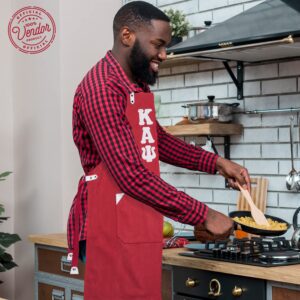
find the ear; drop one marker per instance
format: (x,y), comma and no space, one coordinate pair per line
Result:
(127,36)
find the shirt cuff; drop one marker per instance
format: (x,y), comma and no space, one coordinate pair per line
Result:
(197,214)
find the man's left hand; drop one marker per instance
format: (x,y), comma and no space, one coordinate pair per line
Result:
(234,173)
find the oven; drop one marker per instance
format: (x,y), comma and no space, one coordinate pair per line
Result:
(192,284)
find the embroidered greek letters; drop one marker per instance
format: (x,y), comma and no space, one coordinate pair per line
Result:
(144,116)
(148,151)
(147,136)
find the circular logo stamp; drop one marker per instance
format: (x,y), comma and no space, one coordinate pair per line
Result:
(31,30)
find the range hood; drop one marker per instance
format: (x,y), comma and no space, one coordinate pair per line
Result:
(267,31)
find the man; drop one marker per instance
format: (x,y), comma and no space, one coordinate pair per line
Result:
(121,199)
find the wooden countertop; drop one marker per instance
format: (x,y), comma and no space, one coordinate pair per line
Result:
(285,274)
(54,239)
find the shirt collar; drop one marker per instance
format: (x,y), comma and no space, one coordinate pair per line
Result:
(132,87)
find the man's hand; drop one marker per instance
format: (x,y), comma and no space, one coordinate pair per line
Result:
(234,173)
(217,226)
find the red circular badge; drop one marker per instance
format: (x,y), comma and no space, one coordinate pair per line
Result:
(31,30)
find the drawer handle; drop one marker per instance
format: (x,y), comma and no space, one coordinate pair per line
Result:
(65,264)
(77,297)
(191,283)
(58,295)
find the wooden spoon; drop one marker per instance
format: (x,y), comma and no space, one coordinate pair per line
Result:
(256,213)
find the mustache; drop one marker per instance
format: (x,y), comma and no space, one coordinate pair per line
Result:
(157,59)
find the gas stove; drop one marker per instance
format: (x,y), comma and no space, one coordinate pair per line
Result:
(262,252)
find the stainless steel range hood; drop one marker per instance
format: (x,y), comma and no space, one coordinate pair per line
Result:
(268,31)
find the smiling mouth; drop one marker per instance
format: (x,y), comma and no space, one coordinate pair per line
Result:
(154,66)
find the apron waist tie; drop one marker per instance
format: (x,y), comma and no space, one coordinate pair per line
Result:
(73,254)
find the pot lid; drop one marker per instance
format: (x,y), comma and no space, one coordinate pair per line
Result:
(211,102)
(207,103)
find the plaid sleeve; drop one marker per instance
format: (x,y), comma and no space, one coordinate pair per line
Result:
(176,152)
(104,116)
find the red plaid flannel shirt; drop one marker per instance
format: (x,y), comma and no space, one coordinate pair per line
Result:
(101,132)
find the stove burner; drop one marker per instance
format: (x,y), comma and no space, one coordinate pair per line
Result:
(279,255)
(257,251)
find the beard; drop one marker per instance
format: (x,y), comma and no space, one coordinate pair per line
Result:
(140,65)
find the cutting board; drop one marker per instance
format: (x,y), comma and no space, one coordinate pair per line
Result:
(259,190)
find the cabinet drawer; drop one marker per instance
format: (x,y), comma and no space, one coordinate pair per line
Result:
(75,295)
(50,292)
(55,262)
(279,293)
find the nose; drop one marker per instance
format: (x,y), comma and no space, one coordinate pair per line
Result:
(162,54)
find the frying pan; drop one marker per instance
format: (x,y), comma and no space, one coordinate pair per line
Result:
(258,231)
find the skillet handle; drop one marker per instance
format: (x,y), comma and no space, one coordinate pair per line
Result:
(236,104)
(237,226)
(295,218)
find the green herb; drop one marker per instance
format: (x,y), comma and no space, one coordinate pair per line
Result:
(180,26)
(6,239)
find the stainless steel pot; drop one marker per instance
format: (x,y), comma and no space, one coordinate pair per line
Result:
(210,111)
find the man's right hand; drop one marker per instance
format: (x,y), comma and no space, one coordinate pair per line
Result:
(217,226)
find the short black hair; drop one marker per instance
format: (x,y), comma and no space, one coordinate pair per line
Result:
(135,14)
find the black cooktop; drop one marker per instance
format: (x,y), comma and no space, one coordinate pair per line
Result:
(262,252)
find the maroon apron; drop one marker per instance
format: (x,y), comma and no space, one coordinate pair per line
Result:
(124,236)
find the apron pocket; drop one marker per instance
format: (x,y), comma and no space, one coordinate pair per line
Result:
(137,222)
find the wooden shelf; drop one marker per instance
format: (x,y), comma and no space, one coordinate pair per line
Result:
(211,129)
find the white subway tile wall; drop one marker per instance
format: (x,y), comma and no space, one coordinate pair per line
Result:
(186,94)
(212,4)
(198,19)
(222,14)
(187,7)
(264,146)
(251,4)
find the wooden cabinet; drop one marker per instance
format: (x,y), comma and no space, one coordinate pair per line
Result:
(281,291)
(50,292)
(75,295)
(53,261)
(52,275)
(54,282)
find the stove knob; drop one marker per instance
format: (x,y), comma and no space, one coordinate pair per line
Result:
(237,291)
(214,288)
(191,283)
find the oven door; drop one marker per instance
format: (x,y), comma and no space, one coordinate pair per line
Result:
(192,284)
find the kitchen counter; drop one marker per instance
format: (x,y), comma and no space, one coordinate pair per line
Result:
(284,274)
(54,239)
